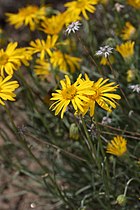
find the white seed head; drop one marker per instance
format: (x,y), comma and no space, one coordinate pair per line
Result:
(135,88)
(106,120)
(119,7)
(74,26)
(104,51)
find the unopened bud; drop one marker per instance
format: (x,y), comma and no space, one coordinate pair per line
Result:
(73,132)
(121,200)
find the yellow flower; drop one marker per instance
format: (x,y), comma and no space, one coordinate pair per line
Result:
(128,31)
(134,3)
(126,50)
(80,6)
(6,89)
(27,56)
(131,73)
(43,47)
(102,95)
(42,69)
(30,15)
(104,61)
(70,16)
(53,25)
(117,146)
(71,94)
(64,61)
(10,59)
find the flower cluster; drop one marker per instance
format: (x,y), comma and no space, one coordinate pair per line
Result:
(83,95)
(11,59)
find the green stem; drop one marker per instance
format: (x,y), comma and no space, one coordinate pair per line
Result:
(106,175)
(113,72)
(23,142)
(91,58)
(91,146)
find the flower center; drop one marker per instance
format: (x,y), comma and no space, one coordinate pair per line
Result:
(95,96)
(80,5)
(69,93)
(3,59)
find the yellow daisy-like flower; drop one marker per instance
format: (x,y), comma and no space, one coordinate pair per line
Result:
(126,50)
(117,146)
(102,95)
(6,89)
(42,69)
(29,15)
(71,94)
(64,61)
(128,31)
(10,59)
(53,25)
(43,47)
(80,6)
(134,3)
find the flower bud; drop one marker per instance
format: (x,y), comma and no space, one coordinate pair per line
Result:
(121,200)
(73,132)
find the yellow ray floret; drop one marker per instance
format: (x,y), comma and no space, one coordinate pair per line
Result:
(81,6)
(117,146)
(42,69)
(64,61)
(53,25)
(128,31)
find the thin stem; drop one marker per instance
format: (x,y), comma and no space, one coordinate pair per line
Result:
(87,51)
(23,142)
(127,184)
(113,72)
(91,146)
(106,179)
(57,148)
